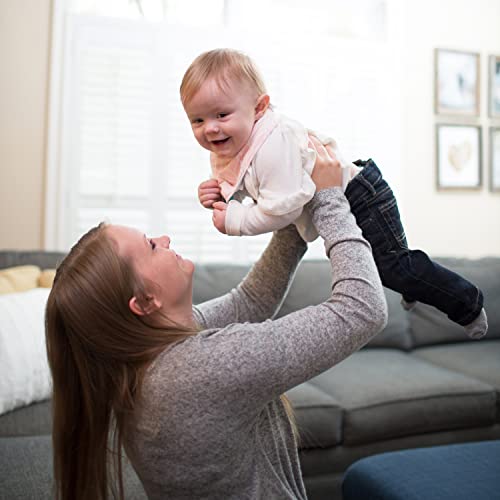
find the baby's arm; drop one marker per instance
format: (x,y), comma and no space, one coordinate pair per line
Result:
(209,194)
(249,220)
(210,197)
(219,216)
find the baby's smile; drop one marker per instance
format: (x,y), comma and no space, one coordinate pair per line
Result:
(219,142)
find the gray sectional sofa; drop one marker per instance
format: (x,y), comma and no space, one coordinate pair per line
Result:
(420,382)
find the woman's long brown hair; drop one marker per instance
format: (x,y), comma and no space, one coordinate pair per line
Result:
(98,351)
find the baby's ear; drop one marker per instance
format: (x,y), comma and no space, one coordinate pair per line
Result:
(261,106)
(143,307)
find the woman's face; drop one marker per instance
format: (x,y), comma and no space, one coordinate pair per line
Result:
(156,262)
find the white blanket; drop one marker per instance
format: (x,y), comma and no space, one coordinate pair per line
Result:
(24,371)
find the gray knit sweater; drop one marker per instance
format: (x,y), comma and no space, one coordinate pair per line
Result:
(212,425)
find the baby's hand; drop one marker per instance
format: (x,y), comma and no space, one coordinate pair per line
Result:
(219,216)
(209,193)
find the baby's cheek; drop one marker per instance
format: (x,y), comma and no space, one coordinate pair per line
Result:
(203,143)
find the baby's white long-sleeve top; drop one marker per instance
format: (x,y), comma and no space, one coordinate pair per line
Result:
(278,180)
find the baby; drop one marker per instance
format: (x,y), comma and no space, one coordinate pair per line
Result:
(257,153)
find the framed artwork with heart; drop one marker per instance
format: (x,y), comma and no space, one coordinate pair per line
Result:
(456,82)
(495,159)
(494,97)
(459,156)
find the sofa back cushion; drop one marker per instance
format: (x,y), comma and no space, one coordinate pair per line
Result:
(214,280)
(312,285)
(397,333)
(430,326)
(422,326)
(40,258)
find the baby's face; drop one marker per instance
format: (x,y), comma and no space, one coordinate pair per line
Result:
(222,119)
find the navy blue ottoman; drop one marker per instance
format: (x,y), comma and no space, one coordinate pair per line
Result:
(455,472)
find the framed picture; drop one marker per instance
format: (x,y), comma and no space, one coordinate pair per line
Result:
(494,97)
(458,156)
(456,82)
(495,158)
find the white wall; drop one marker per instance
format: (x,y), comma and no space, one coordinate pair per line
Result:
(442,222)
(24,65)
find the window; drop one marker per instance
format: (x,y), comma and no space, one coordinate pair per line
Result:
(125,151)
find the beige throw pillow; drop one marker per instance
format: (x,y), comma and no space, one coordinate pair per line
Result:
(46,278)
(19,279)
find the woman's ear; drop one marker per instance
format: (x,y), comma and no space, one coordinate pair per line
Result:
(261,106)
(143,307)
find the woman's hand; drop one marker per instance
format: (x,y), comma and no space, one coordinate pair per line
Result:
(327,170)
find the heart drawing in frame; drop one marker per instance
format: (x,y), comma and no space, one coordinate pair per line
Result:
(459,155)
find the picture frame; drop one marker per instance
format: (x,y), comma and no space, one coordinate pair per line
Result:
(494,87)
(457,82)
(459,156)
(495,159)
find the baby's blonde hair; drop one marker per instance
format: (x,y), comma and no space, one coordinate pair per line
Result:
(223,65)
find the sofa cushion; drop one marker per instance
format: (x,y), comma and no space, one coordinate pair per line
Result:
(26,470)
(40,258)
(31,420)
(430,326)
(313,284)
(318,416)
(386,393)
(479,360)
(397,332)
(26,467)
(213,280)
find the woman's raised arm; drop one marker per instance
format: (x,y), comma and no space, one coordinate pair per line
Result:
(260,294)
(268,358)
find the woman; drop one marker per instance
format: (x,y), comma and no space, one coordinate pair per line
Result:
(194,394)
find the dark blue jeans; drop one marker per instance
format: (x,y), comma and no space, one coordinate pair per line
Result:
(409,272)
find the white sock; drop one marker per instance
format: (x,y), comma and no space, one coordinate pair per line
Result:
(408,306)
(478,327)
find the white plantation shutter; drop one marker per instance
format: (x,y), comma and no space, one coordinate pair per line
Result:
(128,153)
(115,122)
(109,128)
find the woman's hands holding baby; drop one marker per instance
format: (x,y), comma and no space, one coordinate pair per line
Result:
(327,170)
